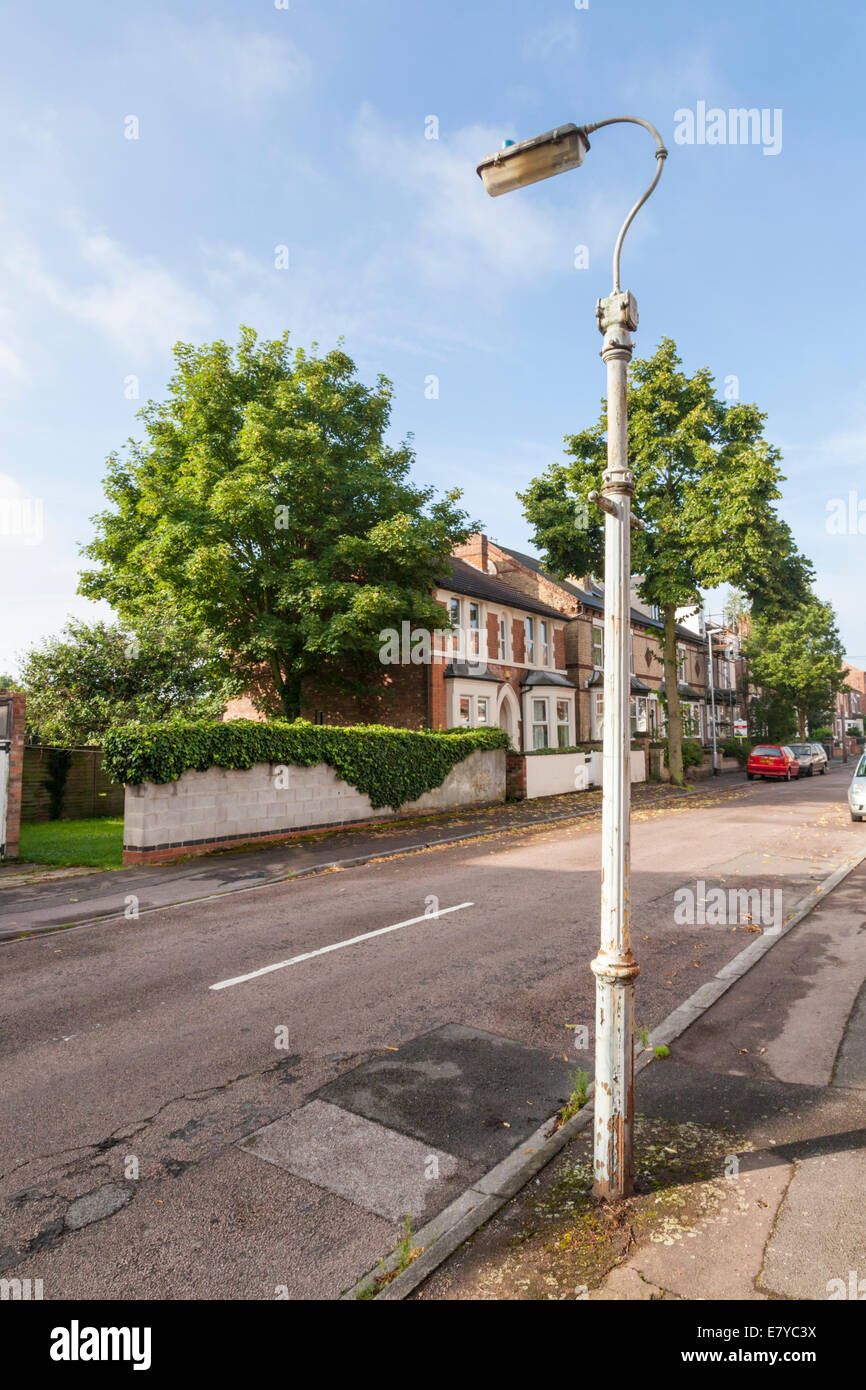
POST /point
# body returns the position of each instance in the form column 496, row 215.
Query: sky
column 156, row 158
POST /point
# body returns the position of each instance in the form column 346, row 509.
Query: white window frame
column 529, row 640
column 639, row 714
column 543, row 724
column 474, row 629
column 597, row 714
column 598, row 646
column 564, row 723
column 503, row 637
column 544, row 641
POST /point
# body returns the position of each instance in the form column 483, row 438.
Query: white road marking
column 338, row 945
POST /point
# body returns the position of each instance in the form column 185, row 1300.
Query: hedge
column 391, row 765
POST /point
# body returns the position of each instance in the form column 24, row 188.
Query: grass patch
column 579, row 1083
column 406, row 1251
column 94, row 844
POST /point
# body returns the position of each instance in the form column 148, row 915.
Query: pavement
column 246, row 1095
column 766, row 1096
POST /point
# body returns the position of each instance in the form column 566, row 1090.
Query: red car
column 772, row 760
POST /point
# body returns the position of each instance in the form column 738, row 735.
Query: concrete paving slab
column 722, row 1256
column 820, row 1235
column 850, row 1066
column 471, row 1093
column 385, row 1172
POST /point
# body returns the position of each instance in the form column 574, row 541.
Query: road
column 128, row 1081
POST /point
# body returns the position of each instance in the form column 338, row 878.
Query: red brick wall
column 402, row 701
column 492, row 636
column 474, row 551
column 515, row 777
column 559, row 648
column 518, row 640
column 16, row 772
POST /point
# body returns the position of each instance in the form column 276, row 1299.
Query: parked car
column 857, row 791
column 811, row 758
column 772, row 760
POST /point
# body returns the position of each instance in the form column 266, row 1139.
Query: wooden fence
column 89, row 791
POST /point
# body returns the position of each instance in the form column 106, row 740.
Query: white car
column 821, row 754
column 857, row 791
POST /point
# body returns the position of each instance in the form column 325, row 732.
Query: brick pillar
column 16, row 772
column 493, row 652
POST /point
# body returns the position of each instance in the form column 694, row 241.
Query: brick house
column 526, row 653
column 583, row 604
column 502, row 664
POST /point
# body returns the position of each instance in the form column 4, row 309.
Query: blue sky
column 305, row 127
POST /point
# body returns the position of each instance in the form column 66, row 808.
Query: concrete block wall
column 223, row 808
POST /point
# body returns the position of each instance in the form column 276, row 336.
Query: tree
column 797, row 658
column 705, row 484
column 266, row 510
column 95, row 675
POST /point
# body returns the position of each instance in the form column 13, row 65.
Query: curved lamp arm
column 661, row 156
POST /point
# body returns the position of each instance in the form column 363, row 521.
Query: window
column 454, row 619
column 530, row 641
column 481, row 707
column 474, row 629
column 562, row 723
column 503, row 639
column 639, row 715
column 655, row 612
column 598, row 646
column 545, row 645
column 681, row 665
column 691, row 714
column 539, row 723
column 598, row 716
column 465, row 715
column 631, row 652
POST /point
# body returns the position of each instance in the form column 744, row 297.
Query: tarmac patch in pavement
column 96, row 1205
column 468, row 1092
column 368, row 1164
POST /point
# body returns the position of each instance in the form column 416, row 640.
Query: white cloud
column 132, row 300
column 234, row 65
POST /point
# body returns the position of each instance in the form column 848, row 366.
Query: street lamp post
column 712, row 699
column 614, row 967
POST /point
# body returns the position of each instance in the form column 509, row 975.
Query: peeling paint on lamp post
column 615, row 969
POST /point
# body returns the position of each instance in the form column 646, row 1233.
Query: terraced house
column 525, row 652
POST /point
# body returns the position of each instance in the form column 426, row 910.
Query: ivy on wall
column 391, row 766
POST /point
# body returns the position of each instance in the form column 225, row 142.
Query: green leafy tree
column 265, row 508
column 96, row 675
column 797, row 658
column 705, row 484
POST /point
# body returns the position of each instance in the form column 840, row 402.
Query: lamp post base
column 613, row 1103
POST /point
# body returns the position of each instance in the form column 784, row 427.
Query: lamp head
column 515, row 166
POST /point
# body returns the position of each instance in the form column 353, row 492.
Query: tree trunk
column 801, row 724
column 288, row 688
column 672, row 697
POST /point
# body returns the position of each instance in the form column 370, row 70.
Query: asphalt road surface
column 129, row 1081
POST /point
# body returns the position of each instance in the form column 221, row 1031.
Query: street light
column 614, row 967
